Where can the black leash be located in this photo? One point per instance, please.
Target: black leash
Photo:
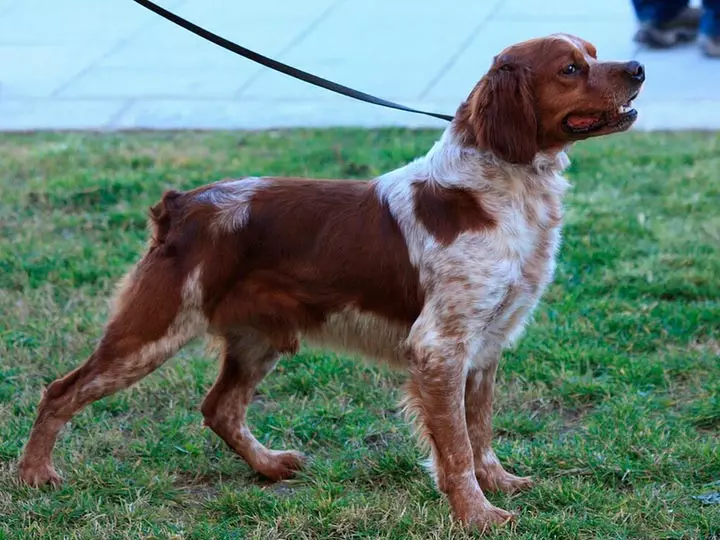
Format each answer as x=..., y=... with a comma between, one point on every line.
x=279, y=66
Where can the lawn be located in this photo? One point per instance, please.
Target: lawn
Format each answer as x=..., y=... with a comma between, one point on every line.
x=611, y=400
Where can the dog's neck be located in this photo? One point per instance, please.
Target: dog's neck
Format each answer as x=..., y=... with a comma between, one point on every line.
x=450, y=164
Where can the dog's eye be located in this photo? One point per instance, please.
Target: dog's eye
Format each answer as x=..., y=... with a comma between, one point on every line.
x=570, y=69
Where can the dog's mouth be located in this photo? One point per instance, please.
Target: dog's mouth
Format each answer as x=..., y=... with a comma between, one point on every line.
x=619, y=119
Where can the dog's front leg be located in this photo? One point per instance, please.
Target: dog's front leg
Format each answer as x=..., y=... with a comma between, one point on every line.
x=478, y=414
x=436, y=394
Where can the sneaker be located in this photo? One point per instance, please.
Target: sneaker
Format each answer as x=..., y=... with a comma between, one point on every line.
x=710, y=46
x=682, y=29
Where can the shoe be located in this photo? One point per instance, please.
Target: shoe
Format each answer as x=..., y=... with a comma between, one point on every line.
x=710, y=46
x=682, y=29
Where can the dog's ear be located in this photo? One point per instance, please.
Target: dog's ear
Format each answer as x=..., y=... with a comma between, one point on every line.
x=500, y=113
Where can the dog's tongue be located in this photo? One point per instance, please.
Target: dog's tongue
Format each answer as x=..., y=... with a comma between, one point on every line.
x=579, y=122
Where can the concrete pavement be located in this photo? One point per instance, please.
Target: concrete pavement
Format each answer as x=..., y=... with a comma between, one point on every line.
x=110, y=64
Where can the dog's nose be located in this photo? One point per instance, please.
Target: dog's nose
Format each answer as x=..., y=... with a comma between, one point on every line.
x=635, y=70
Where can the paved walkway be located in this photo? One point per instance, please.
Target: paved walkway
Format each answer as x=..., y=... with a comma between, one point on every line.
x=110, y=64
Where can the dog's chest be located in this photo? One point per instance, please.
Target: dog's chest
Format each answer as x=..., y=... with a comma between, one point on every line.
x=531, y=239
x=542, y=222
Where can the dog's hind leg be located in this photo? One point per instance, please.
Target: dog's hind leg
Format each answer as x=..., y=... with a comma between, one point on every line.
x=159, y=309
x=247, y=357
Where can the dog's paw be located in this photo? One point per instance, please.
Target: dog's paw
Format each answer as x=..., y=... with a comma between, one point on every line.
x=281, y=465
x=500, y=480
x=482, y=516
x=470, y=506
x=37, y=475
x=489, y=517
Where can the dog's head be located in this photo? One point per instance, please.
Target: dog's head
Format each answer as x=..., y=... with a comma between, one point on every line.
x=542, y=94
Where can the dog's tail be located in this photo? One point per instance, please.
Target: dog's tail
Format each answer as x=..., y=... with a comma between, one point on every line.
x=164, y=215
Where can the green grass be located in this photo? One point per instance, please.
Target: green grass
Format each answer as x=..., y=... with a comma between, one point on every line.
x=611, y=400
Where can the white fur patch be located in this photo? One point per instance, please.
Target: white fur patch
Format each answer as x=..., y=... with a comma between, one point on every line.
x=232, y=199
x=568, y=39
x=478, y=282
x=489, y=458
x=368, y=335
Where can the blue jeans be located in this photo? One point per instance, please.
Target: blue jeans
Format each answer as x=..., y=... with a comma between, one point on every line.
x=660, y=11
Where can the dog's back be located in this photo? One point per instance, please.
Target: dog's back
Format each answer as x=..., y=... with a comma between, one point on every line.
x=321, y=258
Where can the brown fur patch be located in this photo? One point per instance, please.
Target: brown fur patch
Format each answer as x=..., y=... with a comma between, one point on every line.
x=309, y=249
x=447, y=212
x=146, y=303
x=500, y=116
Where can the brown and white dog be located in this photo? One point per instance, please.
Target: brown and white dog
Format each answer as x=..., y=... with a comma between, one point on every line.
x=433, y=267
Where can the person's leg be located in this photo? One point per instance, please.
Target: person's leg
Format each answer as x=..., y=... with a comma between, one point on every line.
x=659, y=12
x=666, y=23
x=710, y=28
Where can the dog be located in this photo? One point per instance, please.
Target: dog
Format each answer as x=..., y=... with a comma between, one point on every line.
x=433, y=268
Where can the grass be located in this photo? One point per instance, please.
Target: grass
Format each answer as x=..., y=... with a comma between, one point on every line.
x=611, y=400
